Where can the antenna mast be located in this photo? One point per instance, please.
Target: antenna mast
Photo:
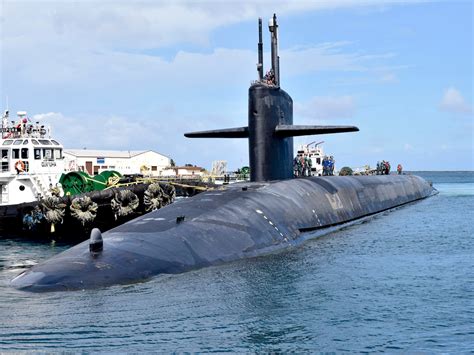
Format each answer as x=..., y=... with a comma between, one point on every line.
x=273, y=27
x=260, y=50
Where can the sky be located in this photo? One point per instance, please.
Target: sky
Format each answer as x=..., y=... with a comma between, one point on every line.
x=137, y=75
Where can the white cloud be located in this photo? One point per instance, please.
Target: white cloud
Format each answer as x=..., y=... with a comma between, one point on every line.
x=389, y=78
x=453, y=101
x=326, y=107
x=113, y=132
x=146, y=24
x=408, y=147
x=103, y=132
x=60, y=43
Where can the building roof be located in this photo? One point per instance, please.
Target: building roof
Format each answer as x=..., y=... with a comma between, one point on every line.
x=108, y=153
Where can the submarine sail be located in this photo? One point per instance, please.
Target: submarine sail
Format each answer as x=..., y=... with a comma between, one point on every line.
x=270, y=127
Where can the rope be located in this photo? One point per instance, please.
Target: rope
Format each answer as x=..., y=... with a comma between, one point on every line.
x=53, y=210
x=152, y=197
x=94, y=180
x=84, y=209
x=169, y=193
x=200, y=188
x=113, y=180
x=124, y=203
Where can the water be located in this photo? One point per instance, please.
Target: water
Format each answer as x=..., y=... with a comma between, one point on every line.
x=403, y=280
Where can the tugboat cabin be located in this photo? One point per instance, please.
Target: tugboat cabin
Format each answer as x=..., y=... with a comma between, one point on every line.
x=31, y=161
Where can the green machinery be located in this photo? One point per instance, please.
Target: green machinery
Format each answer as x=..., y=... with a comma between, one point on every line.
x=78, y=182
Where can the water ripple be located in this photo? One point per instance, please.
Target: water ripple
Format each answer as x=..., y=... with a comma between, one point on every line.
x=402, y=281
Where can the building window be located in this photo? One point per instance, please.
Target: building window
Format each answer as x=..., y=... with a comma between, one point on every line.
x=154, y=168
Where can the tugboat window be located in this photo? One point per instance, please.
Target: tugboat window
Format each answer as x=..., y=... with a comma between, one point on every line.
x=8, y=142
x=58, y=154
x=22, y=187
x=37, y=153
x=35, y=142
x=54, y=142
x=25, y=141
x=48, y=154
x=24, y=153
x=15, y=153
x=18, y=142
x=44, y=141
x=4, y=159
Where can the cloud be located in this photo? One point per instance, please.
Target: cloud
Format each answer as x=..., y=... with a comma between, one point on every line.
x=453, y=101
x=103, y=131
x=122, y=132
x=389, y=78
x=119, y=42
x=408, y=147
x=146, y=24
x=326, y=107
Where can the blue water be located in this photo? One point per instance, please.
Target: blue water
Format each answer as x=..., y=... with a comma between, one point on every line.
x=401, y=281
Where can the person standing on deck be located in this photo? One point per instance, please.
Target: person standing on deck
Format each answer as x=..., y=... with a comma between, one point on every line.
x=399, y=169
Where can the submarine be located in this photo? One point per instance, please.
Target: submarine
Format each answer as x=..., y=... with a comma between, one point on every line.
x=270, y=213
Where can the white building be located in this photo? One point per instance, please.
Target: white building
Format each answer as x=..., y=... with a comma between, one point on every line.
x=146, y=162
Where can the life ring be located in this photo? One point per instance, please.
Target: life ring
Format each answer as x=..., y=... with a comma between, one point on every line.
x=20, y=166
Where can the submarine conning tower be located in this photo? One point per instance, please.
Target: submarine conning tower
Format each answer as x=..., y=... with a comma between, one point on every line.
x=270, y=129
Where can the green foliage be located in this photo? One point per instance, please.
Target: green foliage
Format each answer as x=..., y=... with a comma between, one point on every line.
x=345, y=171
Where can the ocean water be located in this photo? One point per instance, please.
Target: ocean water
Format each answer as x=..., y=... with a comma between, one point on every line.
x=401, y=281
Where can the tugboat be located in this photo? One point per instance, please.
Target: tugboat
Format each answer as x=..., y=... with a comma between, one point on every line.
x=32, y=162
x=37, y=197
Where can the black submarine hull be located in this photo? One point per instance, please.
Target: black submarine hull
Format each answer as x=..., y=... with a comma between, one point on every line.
x=245, y=220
